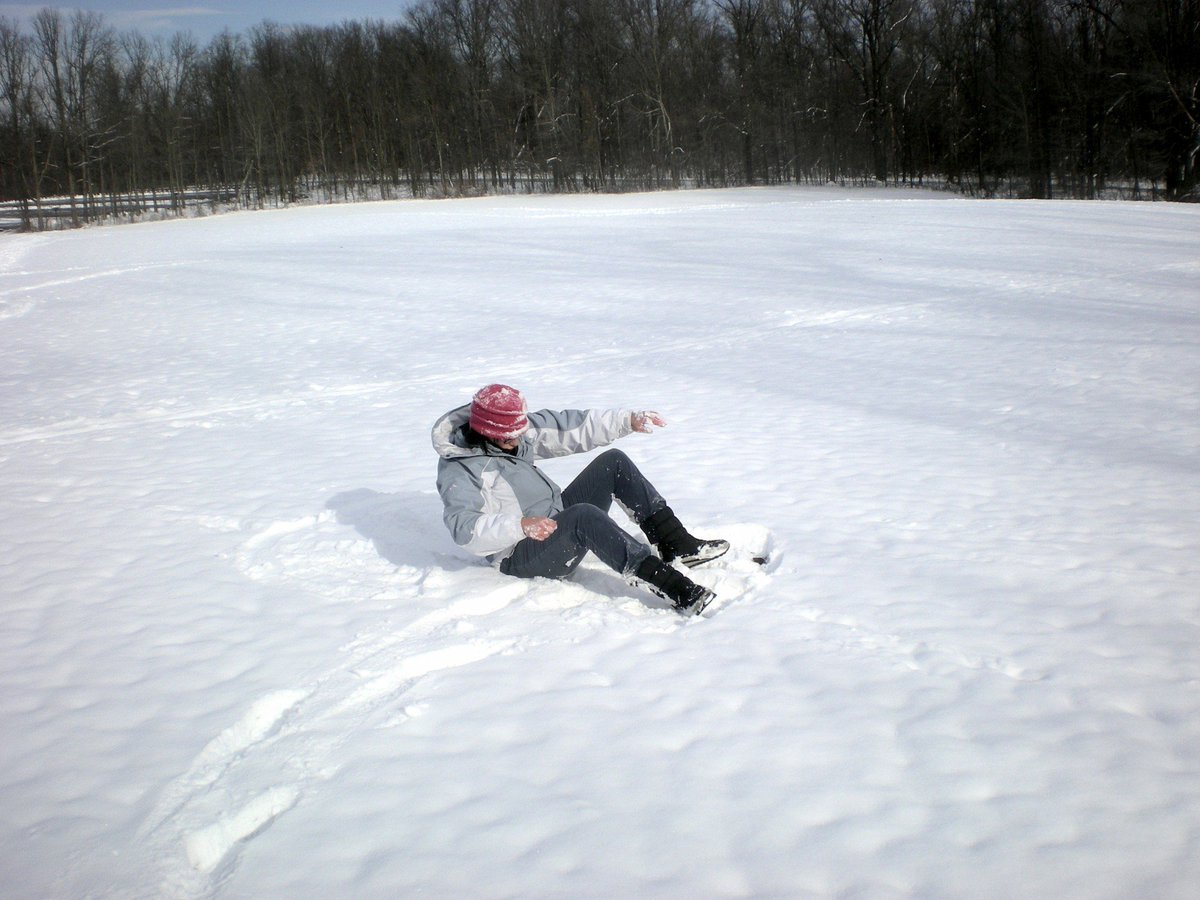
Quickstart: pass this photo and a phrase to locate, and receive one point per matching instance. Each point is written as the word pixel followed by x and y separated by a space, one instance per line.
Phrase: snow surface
pixel 241 658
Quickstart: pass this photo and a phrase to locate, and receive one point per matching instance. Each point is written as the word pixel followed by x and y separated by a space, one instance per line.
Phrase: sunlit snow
pixel 241 657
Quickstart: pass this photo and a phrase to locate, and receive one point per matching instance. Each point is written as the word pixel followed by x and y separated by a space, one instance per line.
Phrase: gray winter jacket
pixel 486 492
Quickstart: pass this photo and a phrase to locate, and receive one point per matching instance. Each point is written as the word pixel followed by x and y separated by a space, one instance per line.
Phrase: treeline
pixel 1041 98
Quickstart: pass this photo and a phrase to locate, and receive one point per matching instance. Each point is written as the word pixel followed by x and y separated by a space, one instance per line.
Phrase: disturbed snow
pixel 241 657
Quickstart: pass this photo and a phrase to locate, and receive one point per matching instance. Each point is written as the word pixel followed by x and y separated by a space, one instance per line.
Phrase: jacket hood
pixel 447 434
pixel 447 437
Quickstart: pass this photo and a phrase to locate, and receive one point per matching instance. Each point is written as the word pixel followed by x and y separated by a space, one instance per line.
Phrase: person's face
pixel 510 444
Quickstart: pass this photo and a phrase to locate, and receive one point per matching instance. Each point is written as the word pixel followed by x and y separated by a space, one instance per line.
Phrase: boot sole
pixel 700 559
pixel 698 606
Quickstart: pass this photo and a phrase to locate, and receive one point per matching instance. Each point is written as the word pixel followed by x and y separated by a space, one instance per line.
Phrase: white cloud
pixel 154 19
pixel 174 18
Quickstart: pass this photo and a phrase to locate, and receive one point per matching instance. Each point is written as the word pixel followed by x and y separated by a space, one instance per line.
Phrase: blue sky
pixel 205 19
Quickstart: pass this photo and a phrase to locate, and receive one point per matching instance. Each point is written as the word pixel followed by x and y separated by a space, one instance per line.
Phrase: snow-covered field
pixel 240 656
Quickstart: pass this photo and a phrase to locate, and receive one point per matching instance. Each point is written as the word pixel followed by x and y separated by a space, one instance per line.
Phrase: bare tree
pixel 18 143
pixel 656 32
pixel 1166 34
pixel 866 35
pixel 71 52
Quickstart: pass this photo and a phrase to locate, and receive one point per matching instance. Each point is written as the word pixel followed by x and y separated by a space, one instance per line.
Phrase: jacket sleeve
pixel 480 510
pixel 563 432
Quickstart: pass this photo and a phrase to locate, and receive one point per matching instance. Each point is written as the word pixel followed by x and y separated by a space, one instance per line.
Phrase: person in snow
pixel 499 505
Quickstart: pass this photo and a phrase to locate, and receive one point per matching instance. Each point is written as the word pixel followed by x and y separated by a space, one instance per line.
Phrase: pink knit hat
pixel 498 412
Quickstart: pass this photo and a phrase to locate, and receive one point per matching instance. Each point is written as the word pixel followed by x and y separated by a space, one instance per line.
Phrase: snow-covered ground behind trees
pixel 240 656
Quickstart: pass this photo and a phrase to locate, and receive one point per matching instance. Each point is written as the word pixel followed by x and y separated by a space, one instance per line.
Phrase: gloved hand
pixel 538 527
pixel 641 421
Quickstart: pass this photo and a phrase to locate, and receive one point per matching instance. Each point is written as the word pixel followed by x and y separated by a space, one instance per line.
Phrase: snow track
pixel 285 745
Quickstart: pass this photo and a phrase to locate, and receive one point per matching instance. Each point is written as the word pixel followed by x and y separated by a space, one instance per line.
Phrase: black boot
pixel 671 539
pixel 670 584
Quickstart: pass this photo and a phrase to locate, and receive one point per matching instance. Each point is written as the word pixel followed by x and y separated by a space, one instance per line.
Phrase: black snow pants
pixel 584 523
